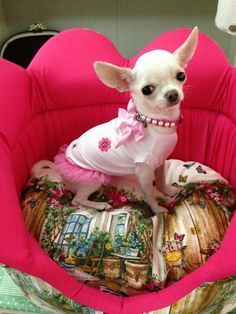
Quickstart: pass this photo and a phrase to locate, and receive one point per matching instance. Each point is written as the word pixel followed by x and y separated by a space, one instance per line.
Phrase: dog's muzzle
pixel 172 97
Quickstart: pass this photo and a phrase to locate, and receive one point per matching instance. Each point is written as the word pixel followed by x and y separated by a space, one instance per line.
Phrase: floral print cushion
pixel 28 294
pixel 43 298
pixel 13 298
pixel 126 250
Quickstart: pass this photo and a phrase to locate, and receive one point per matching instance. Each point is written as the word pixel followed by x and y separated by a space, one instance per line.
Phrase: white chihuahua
pixel 140 139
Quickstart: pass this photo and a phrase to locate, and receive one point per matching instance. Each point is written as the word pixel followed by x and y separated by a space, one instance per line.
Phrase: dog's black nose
pixel 172 96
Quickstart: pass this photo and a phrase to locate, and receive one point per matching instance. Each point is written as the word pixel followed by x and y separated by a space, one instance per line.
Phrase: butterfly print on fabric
pixel 188 166
pixel 200 170
pixel 199 203
pixel 179 237
pixel 183 178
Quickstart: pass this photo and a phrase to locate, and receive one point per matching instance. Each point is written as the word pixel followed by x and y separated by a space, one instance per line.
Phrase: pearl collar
pixel 164 123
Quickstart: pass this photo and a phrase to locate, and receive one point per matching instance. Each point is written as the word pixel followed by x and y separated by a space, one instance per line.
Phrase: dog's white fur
pixel 157 68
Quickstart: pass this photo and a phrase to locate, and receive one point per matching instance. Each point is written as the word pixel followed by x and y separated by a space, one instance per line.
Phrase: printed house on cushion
pixel 99 243
pixel 85 239
pixel 195 230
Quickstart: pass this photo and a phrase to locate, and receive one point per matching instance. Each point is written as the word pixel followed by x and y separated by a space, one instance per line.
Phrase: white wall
pixel 130 24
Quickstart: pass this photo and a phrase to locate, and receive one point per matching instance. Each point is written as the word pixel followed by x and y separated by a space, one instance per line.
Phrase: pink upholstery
pixel 58 97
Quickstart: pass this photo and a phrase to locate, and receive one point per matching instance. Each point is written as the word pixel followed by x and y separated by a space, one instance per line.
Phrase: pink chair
pixel 58 97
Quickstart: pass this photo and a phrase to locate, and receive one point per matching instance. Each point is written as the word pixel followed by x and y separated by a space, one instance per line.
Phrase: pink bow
pixel 128 125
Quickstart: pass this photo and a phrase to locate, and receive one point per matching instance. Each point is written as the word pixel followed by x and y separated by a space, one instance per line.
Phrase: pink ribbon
pixel 128 125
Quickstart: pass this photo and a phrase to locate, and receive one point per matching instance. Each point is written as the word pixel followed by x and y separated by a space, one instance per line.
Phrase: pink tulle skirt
pixel 75 174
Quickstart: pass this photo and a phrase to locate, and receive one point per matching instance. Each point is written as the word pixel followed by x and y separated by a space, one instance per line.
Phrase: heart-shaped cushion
pixel 58 97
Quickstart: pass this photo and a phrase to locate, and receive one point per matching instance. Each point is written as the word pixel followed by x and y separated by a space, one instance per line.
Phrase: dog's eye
pixel 180 76
pixel 148 90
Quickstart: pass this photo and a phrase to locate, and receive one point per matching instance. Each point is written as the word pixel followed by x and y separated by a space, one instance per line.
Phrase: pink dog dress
pixel 113 149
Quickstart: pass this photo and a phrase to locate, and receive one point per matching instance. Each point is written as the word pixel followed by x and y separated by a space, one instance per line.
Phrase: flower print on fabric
pixel 214 245
pixel 104 144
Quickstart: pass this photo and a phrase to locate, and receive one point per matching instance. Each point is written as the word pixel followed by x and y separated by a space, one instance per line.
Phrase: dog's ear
pixel 113 76
pixel 185 52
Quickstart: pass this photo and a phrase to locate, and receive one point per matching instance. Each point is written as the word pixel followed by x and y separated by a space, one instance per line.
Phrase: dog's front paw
pixel 158 209
pixel 171 191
